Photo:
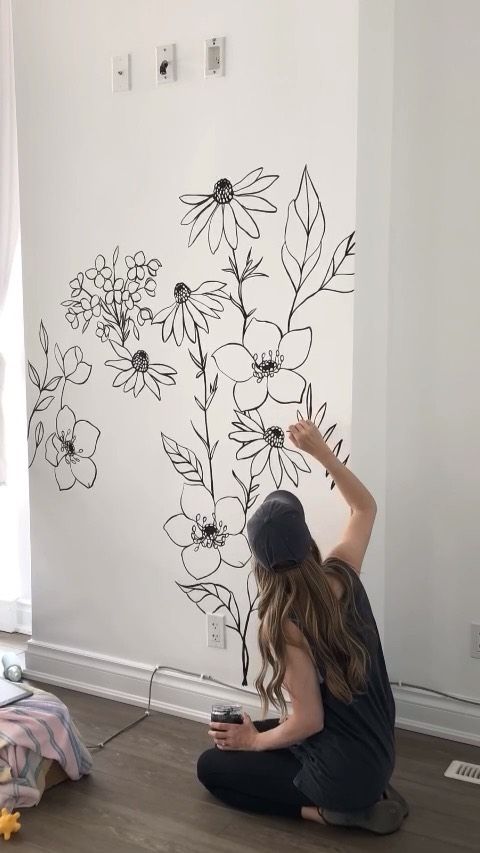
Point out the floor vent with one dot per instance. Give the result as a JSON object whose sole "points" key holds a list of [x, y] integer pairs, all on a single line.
{"points": [[464, 771]]}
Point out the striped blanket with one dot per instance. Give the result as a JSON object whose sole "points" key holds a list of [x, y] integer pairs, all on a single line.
{"points": [[33, 733]]}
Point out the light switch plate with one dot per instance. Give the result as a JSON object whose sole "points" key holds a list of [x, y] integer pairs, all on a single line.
{"points": [[215, 57], [121, 73], [165, 64]]}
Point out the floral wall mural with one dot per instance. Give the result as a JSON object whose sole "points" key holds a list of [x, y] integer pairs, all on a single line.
{"points": [[116, 301]]}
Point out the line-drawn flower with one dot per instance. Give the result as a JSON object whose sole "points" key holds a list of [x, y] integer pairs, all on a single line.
{"points": [[72, 365], [190, 308], [136, 266], [144, 316], [72, 315], [208, 532], [102, 331], [76, 285], [130, 295], [265, 364], [227, 208], [136, 371], [113, 291], [100, 273], [266, 446], [91, 307], [70, 449]]}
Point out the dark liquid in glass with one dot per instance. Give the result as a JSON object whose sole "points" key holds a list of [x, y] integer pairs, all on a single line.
{"points": [[226, 714]]}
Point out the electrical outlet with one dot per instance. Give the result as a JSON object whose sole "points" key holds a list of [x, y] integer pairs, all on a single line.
{"points": [[475, 640], [216, 630]]}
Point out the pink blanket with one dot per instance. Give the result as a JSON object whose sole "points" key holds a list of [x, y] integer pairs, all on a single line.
{"points": [[31, 731]]}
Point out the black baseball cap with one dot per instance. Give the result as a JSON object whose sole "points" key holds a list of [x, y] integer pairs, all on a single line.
{"points": [[278, 533]]}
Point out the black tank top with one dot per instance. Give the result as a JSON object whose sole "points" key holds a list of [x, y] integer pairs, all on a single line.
{"points": [[347, 765]]}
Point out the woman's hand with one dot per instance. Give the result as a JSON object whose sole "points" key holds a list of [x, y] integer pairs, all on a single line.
{"points": [[230, 736], [307, 437]]}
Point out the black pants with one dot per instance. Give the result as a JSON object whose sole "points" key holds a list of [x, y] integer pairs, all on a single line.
{"points": [[259, 782]]}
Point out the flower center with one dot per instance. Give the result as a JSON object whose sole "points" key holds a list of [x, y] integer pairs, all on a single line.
{"points": [[223, 191], [140, 361], [274, 436], [181, 292], [268, 365], [68, 446], [209, 534]]}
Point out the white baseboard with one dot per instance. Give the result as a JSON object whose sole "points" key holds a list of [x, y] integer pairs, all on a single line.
{"points": [[433, 715], [192, 697], [128, 681], [16, 616]]}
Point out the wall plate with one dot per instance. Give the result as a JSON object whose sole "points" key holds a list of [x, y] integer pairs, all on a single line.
{"points": [[215, 57], [121, 73], [165, 64]]}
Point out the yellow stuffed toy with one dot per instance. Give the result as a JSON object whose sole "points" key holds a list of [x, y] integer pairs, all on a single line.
{"points": [[9, 823]]}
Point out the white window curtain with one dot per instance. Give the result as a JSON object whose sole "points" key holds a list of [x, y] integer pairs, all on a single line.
{"points": [[9, 213]]}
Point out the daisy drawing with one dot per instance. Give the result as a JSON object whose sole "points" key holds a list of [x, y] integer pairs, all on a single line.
{"points": [[228, 208], [266, 446], [265, 364], [136, 371], [190, 309], [208, 532]]}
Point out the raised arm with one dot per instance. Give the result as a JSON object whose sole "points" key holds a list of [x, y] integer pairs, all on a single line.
{"points": [[363, 509]]}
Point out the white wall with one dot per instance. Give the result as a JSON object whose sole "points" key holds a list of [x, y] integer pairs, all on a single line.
{"points": [[99, 170], [433, 583]]}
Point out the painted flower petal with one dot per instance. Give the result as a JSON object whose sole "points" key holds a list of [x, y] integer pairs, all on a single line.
{"points": [[255, 202], [262, 183], [245, 437], [71, 359], [130, 383], [251, 448], [275, 466], [189, 323], [201, 221], [210, 288], [236, 551], [194, 199], [81, 374], [65, 422], [179, 529], [251, 394], [123, 377], [260, 460], [295, 347], [51, 454], [200, 562], [297, 458], [86, 437], [215, 229], [195, 211], [230, 227], [63, 475], [85, 471], [262, 336], [197, 500], [122, 352], [289, 467], [139, 384], [206, 304], [151, 383], [164, 313], [196, 315], [244, 220], [178, 326], [167, 327], [119, 364], [234, 361], [248, 180], [286, 386], [230, 511]]}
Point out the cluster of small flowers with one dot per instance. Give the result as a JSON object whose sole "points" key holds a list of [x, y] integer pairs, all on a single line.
{"points": [[120, 295]]}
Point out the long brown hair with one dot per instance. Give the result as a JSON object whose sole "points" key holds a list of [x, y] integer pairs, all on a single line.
{"points": [[327, 622]]}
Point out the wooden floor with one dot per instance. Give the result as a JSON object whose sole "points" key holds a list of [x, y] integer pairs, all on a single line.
{"points": [[143, 796]]}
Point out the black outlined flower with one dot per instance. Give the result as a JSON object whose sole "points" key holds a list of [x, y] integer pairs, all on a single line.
{"points": [[131, 295], [70, 449], [136, 371], [266, 446], [72, 315], [91, 307], [113, 291], [136, 266], [77, 285], [208, 532], [265, 364], [144, 316], [100, 273], [102, 331], [227, 208], [72, 365], [190, 308]]}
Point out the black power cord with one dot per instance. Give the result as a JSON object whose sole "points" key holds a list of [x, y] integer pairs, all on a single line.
{"points": [[213, 680]]}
